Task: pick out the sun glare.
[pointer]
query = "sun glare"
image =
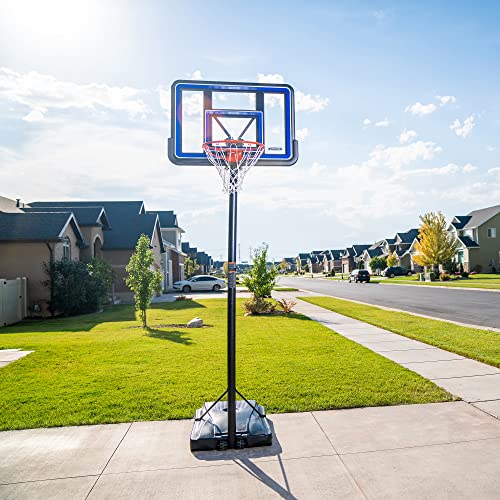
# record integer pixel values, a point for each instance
(47, 20)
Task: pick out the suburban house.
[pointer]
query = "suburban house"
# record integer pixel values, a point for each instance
(478, 237)
(352, 257)
(173, 257)
(29, 240)
(291, 264)
(302, 261)
(318, 262)
(334, 261)
(37, 233)
(128, 220)
(203, 260)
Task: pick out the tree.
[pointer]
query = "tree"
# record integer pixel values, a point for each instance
(190, 266)
(284, 265)
(142, 279)
(392, 259)
(378, 264)
(261, 280)
(225, 269)
(435, 246)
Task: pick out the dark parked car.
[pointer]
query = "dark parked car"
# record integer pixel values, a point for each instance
(359, 275)
(390, 272)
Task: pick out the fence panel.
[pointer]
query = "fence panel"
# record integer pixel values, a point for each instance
(12, 301)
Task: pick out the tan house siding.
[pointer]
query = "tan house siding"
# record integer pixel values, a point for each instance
(90, 233)
(22, 259)
(489, 248)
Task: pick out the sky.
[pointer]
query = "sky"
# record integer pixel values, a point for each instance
(398, 111)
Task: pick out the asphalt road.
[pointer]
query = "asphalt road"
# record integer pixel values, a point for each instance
(465, 306)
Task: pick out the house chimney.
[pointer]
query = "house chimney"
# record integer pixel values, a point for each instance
(18, 202)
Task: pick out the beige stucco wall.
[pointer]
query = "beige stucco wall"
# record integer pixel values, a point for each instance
(90, 233)
(19, 260)
(26, 259)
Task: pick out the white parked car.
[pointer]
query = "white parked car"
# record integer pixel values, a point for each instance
(199, 283)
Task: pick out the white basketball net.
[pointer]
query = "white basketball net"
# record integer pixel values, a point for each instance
(233, 159)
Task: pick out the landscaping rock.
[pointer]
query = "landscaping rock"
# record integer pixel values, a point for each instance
(195, 323)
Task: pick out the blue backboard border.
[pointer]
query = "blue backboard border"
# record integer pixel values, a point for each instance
(178, 157)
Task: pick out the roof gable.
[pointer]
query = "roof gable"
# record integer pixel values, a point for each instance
(479, 217)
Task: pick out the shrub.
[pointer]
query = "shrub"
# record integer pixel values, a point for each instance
(464, 274)
(76, 287)
(258, 305)
(261, 279)
(444, 277)
(287, 305)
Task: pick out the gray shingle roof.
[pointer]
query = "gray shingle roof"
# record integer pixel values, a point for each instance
(359, 249)
(408, 236)
(85, 216)
(37, 226)
(127, 218)
(468, 242)
(479, 217)
(168, 218)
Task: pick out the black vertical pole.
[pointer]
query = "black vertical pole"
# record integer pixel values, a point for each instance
(231, 321)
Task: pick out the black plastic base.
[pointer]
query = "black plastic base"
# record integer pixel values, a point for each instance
(210, 433)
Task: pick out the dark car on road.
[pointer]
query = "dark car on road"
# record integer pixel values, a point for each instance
(390, 272)
(359, 275)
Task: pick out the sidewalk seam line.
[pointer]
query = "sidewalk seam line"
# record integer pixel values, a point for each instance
(351, 475)
(109, 460)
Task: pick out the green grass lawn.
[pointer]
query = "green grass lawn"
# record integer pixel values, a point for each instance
(488, 281)
(483, 345)
(101, 368)
(285, 289)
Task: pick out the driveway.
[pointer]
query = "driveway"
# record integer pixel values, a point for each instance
(465, 306)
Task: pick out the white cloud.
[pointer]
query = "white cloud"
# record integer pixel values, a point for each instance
(398, 156)
(302, 133)
(35, 115)
(383, 123)
(420, 109)
(490, 148)
(407, 136)
(468, 168)
(494, 171)
(303, 102)
(446, 99)
(44, 93)
(463, 130)
(366, 121)
(195, 75)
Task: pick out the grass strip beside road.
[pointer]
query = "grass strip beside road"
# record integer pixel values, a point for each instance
(105, 368)
(485, 281)
(482, 345)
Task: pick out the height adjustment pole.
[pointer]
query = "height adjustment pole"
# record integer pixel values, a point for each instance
(231, 318)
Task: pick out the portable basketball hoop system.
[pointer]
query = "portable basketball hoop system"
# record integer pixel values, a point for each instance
(261, 117)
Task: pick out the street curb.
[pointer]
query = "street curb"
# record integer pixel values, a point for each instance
(467, 325)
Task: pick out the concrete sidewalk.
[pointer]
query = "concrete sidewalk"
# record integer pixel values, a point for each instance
(441, 450)
(474, 382)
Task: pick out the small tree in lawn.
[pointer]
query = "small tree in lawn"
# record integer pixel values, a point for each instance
(142, 279)
(261, 279)
(190, 266)
(435, 245)
(378, 264)
(392, 259)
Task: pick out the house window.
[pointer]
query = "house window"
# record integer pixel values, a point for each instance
(66, 249)
(460, 256)
(492, 232)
